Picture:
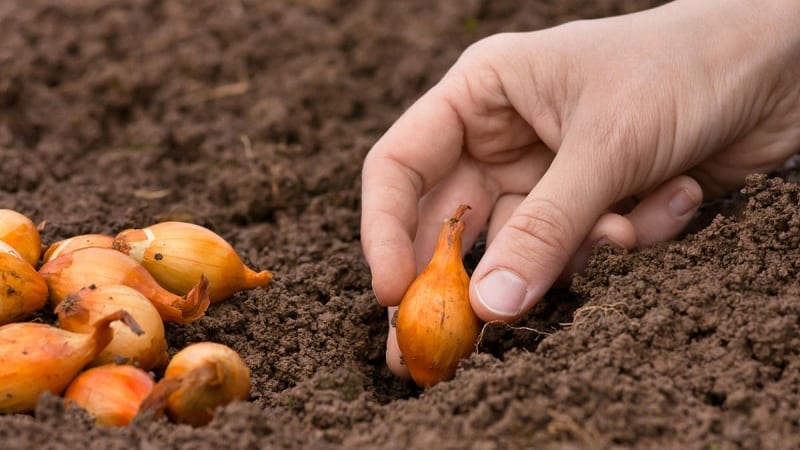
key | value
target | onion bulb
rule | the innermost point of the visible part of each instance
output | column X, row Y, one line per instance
column 199, row 379
column 178, row 253
column 22, row 290
column 81, row 310
column 110, row 393
column 101, row 266
column 37, row 358
column 18, row 231
column 61, row 247
column 7, row 248
column 436, row 326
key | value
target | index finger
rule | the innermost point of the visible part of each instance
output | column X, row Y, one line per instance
column 421, row 147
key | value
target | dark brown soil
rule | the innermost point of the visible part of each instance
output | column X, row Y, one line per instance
column 252, row 118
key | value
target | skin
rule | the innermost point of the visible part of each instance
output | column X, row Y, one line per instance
column 601, row 132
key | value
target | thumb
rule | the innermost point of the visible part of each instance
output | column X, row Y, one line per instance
column 539, row 238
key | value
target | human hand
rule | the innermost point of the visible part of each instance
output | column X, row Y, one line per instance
column 589, row 133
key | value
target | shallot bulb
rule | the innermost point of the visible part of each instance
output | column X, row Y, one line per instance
column 37, row 358
column 64, row 246
column 199, row 379
column 101, row 266
column 7, row 248
column 110, row 393
column 18, row 231
column 178, row 253
column 436, row 326
column 80, row 311
column 22, row 290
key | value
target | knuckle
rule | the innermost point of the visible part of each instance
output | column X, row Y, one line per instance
column 487, row 46
column 543, row 225
column 618, row 153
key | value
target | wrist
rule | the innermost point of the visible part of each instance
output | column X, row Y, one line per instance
column 768, row 27
column 755, row 39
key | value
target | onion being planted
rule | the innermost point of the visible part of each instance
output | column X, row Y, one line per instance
column 110, row 393
column 436, row 326
column 199, row 379
column 36, row 357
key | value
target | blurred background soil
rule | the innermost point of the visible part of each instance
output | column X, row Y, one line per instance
column 252, row 118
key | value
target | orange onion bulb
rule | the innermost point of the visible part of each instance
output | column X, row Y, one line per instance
column 436, row 326
column 80, row 311
column 37, row 358
column 70, row 272
column 178, row 253
column 22, row 290
column 64, row 246
column 110, row 393
column 199, row 379
column 18, row 231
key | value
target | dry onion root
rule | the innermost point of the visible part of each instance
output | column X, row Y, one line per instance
column 199, row 379
column 178, row 253
column 81, row 310
column 110, row 393
column 70, row 272
column 36, row 357
column 436, row 326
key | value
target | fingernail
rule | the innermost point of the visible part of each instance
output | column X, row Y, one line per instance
column 502, row 292
column 682, row 203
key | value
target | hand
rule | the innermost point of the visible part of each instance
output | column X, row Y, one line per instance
column 590, row 133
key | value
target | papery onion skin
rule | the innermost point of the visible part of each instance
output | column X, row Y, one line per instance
column 71, row 244
column 81, row 310
column 7, row 248
column 110, row 393
column 37, row 358
column 22, row 290
column 19, row 231
column 199, row 379
column 436, row 326
column 178, row 253
column 102, row 266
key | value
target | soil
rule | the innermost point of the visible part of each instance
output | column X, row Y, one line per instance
column 252, row 118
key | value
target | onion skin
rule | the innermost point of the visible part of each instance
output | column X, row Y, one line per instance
column 18, row 231
column 22, row 290
column 436, row 326
column 178, row 253
column 102, row 266
column 80, row 311
column 199, row 379
column 110, row 393
column 65, row 246
column 7, row 248
column 37, row 358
